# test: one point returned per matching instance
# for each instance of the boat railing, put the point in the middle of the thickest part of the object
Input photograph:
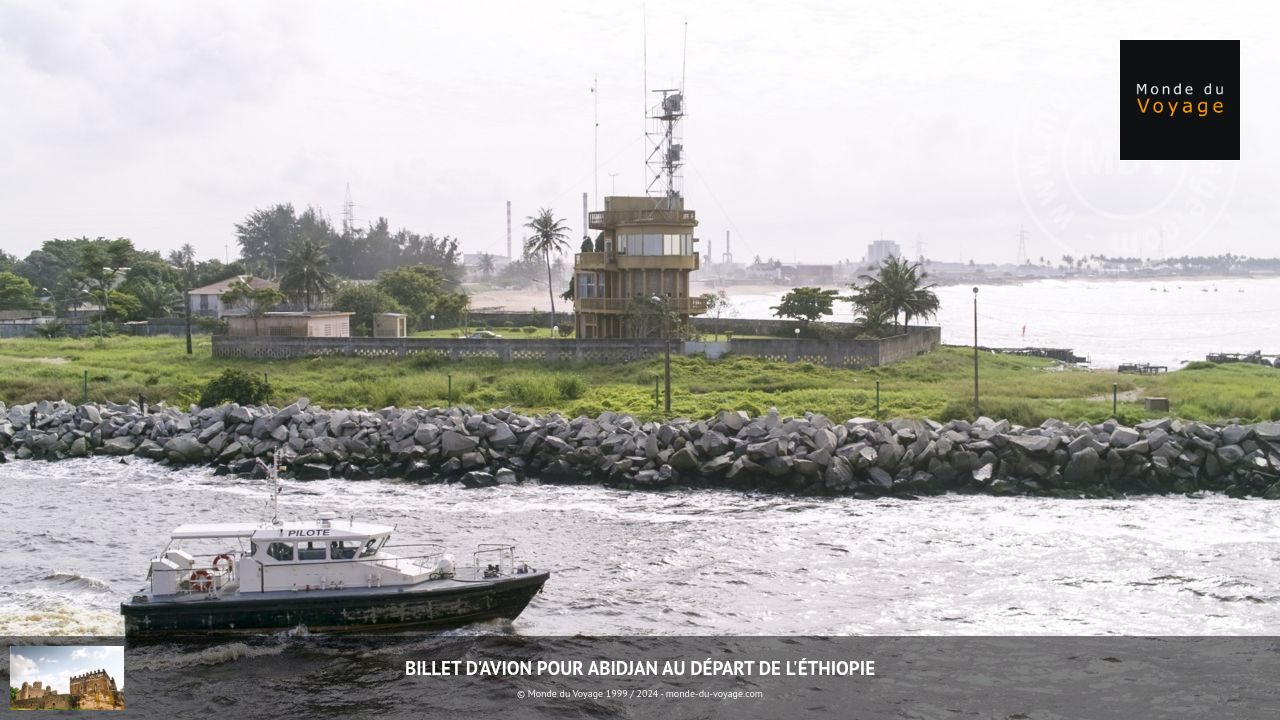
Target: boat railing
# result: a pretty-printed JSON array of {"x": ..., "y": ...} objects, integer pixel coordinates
[
  {"x": 494, "y": 555},
  {"x": 414, "y": 564}
]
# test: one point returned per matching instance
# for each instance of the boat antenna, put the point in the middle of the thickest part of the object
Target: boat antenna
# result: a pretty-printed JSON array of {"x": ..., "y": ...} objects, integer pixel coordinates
[{"x": 274, "y": 474}]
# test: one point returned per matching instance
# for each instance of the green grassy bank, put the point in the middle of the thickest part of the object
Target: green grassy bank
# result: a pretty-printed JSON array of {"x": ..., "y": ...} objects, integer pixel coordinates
[{"x": 938, "y": 385}]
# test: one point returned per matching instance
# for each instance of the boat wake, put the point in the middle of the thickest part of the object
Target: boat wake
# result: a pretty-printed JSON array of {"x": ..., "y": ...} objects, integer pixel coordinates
[{"x": 70, "y": 580}]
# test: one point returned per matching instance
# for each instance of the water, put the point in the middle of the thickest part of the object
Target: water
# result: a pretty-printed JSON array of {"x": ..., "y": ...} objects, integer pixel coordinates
[
  {"x": 79, "y": 534},
  {"x": 1163, "y": 322}
]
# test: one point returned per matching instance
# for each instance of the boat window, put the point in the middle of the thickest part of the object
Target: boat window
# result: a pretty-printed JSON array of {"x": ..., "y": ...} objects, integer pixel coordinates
[
  {"x": 371, "y": 547},
  {"x": 343, "y": 549},
  {"x": 280, "y": 551},
  {"x": 310, "y": 552}
]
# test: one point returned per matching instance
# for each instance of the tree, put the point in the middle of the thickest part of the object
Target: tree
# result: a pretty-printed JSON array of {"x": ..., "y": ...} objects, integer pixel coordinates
[
  {"x": 100, "y": 265},
  {"x": 122, "y": 306},
  {"x": 549, "y": 236},
  {"x": 897, "y": 289},
  {"x": 420, "y": 291},
  {"x": 486, "y": 264},
  {"x": 717, "y": 306},
  {"x": 306, "y": 273},
  {"x": 806, "y": 304},
  {"x": 183, "y": 256},
  {"x": 156, "y": 300},
  {"x": 16, "y": 293},
  {"x": 255, "y": 302},
  {"x": 365, "y": 301},
  {"x": 649, "y": 315},
  {"x": 264, "y": 236},
  {"x": 7, "y": 261}
]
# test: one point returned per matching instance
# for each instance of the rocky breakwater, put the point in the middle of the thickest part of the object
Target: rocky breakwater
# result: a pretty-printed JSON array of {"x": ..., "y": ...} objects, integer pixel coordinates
[{"x": 809, "y": 454}]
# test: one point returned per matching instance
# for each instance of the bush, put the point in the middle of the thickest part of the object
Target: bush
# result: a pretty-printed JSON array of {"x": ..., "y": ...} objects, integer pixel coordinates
[
  {"x": 570, "y": 387},
  {"x": 1200, "y": 365},
  {"x": 211, "y": 325},
  {"x": 101, "y": 328},
  {"x": 528, "y": 330},
  {"x": 236, "y": 386},
  {"x": 50, "y": 330}
]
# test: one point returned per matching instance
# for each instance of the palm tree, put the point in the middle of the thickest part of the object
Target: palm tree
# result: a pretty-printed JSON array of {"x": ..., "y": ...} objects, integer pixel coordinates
[
  {"x": 306, "y": 272},
  {"x": 549, "y": 235},
  {"x": 182, "y": 257},
  {"x": 486, "y": 264},
  {"x": 896, "y": 290},
  {"x": 159, "y": 300}
]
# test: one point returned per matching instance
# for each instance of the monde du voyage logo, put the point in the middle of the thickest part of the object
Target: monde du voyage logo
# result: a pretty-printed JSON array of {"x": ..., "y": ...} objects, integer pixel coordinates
[{"x": 1179, "y": 99}]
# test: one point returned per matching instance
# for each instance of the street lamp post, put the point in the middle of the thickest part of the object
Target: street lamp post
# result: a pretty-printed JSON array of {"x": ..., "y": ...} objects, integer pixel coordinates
[
  {"x": 976, "y": 412},
  {"x": 666, "y": 353},
  {"x": 433, "y": 323},
  {"x": 796, "y": 347}
]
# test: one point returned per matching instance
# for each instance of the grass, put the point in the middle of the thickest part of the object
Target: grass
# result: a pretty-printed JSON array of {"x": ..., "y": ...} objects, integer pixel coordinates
[{"x": 937, "y": 385}]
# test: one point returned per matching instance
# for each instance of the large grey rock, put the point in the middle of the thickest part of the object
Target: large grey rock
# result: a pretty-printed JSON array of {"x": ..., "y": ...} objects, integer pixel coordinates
[
  {"x": 1082, "y": 467},
  {"x": 184, "y": 448},
  {"x": 1124, "y": 437},
  {"x": 120, "y": 445},
  {"x": 880, "y": 478},
  {"x": 684, "y": 459},
  {"x": 454, "y": 443}
]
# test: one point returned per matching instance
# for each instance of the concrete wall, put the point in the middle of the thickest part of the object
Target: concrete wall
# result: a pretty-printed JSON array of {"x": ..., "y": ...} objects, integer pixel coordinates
[
  {"x": 280, "y": 348},
  {"x": 836, "y": 353}
]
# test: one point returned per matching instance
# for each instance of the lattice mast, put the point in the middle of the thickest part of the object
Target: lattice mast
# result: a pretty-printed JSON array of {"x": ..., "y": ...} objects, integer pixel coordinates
[{"x": 666, "y": 142}]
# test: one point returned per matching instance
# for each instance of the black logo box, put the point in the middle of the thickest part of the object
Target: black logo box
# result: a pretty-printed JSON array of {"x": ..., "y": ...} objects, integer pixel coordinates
[{"x": 1191, "y": 65}]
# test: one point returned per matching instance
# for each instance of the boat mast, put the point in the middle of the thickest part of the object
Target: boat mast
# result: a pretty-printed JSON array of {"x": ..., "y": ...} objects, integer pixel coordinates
[{"x": 274, "y": 474}]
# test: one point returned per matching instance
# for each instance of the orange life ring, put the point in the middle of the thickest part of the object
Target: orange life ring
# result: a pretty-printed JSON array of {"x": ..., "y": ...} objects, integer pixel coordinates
[
  {"x": 220, "y": 558},
  {"x": 201, "y": 581}
]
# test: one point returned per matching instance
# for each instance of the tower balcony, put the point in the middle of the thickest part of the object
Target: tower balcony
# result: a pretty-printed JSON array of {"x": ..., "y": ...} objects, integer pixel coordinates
[
  {"x": 615, "y": 261},
  {"x": 680, "y": 305}
]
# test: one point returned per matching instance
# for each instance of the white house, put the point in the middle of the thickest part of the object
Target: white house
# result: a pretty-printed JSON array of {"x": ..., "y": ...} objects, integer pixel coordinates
[{"x": 207, "y": 300}]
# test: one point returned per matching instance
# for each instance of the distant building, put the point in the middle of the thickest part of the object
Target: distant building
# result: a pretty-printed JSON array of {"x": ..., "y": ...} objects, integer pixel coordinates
[
  {"x": 646, "y": 252},
  {"x": 880, "y": 250},
  {"x": 390, "y": 325},
  {"x": 798, "y": 274},
  {"x": 769, "y": 270},
  {"x": 292, "y": 324},
  {"x": 207, "y": 300}
]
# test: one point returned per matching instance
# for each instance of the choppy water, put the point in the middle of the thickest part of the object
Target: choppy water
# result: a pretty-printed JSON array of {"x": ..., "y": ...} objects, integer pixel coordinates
[
  {"x": 1163, "y": 322},
  {"x": 79, "y": 533}
]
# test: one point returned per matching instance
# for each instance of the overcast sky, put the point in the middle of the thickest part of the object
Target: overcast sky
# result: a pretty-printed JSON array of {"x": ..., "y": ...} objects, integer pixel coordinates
[{"x": 813, "y": 127}]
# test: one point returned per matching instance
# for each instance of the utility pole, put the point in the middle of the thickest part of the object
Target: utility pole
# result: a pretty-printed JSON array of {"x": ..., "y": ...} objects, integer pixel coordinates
[
  {"x": 664, "y": 304},
  {"x": 509, "y": 257},
  {"x": 976, "y": 412},
  {"x": 187, "y": 308}
]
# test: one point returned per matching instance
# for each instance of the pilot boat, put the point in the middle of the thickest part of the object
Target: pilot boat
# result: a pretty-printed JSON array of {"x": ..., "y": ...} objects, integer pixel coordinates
[{"x": 327, "y": 574}]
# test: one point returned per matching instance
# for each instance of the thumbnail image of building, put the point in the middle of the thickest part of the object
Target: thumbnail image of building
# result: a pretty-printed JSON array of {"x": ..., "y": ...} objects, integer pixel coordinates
[
  {"x": 644, "y": 251},
  {"x": 94, "y": 690}
]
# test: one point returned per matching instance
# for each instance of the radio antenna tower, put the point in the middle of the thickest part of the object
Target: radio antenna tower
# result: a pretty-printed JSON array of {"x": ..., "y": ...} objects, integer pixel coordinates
[
  {"x": 1022, "y": 246},
  {"x": 666, "y": 148},
  {"x": 348, "y": 213}
]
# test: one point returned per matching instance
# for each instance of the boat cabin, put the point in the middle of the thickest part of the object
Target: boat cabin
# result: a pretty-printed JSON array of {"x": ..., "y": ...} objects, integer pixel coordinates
[{"x": 325, "y": 553}]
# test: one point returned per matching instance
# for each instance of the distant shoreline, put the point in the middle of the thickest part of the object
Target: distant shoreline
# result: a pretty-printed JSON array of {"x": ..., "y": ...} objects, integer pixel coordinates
[{"x": 498, "y": 300}]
